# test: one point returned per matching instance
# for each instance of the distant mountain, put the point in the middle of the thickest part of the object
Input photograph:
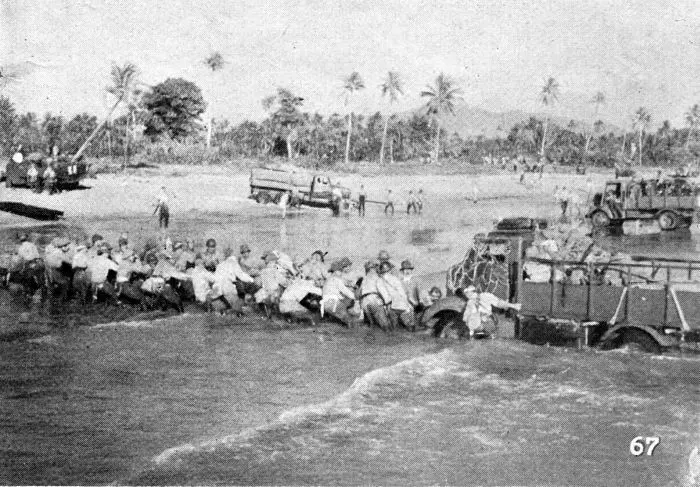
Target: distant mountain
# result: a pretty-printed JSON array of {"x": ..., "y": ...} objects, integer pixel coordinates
[{"x": 472, "y": 121}]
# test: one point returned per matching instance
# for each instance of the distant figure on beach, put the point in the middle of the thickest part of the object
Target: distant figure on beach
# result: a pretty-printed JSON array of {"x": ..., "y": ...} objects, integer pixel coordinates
[
  {"x": 420, "y": 199},
  {"x": 412, "y": 203},
  {"x": 162, "y": 209},
  {"x": 389, "y": 202},
  {"x": 361, "y": 200}
]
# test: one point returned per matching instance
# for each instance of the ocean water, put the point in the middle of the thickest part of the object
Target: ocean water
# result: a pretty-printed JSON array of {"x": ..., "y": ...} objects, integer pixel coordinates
[{"x": 484, "y": 413}]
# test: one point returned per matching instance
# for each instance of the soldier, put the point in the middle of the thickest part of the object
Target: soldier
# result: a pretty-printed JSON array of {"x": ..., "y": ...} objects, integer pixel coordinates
[
  {"x": 361, "y": 199},
  {"x": 203, "y": 282},
  {"x": 33, "y": 178},
  {"x": 162, "y": 209},
  {"x": 400, "y": 310},
  {"x": 272, "y": 279},
  {"x": 338, "y": 298},
  {"x": 211, "y": 256},
  {"x": 420, "y": 200},
  {"x": 227, "y": 274},
  {"x": 412, "y": 203},
  {"x": 59, "y": 269},
  {"x": 410, "y": 286},
  {"x": 371, "y": 300},
  {"x": 478, "y": 315},
  {"x": 389, "y": 203},
  {"x": 49, "y": 177}
]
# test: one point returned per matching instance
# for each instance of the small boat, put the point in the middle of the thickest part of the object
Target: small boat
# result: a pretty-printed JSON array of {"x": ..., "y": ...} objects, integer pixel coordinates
[{"x": 34, "y": 212}]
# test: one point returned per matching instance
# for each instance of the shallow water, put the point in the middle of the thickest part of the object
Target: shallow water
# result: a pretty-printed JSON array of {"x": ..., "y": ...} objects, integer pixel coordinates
[{"x": 96, "y": 404}]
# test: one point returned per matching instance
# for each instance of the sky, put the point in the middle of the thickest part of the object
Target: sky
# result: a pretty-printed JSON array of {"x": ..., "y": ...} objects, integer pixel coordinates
[{"x": 639, "y": 53}]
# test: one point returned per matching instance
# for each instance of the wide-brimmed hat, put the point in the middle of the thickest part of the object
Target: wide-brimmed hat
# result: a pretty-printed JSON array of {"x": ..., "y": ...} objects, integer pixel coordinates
[
  {"x": 61, "y": 242},
  {"x": 406, "y": 265},
  {"x": 321, "y": 253},
  {"x": 270, "y": 256},
  {"x": 244, "y": 248},
  {"x": 385, "y": 267},
  {"x": 340, "y": 264}
]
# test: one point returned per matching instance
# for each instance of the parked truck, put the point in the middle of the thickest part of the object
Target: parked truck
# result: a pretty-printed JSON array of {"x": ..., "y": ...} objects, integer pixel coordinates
[
  {"x": 647, "y": 302},
  {"x": 268, "y": 184},
  {"x": 670, "y": 202}
]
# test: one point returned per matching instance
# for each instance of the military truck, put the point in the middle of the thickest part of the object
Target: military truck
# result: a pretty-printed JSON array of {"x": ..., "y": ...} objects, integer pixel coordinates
[
  {"x": 650, "y": 303},
  {"x": 670, "y": 202},
  {"x": 69, "y": 173},
  {"x": 268, "y": 184}
]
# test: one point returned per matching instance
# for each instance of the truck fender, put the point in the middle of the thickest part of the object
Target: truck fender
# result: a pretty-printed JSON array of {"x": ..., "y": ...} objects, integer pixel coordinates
[
  {"x": 603, "y": 208},
  {"x": 660, "y": 338},
  {"x": 667, "y": 210},
  {"x": 449, "y": 303}
]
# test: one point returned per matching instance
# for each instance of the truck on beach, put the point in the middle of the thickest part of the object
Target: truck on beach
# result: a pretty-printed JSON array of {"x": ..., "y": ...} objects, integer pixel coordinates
[
  {"x": 671, "y": 202},
  {"x": 652, "y": 303},
  {"x": 69, "y": 172},
  {"x": 268, "y": 184}
]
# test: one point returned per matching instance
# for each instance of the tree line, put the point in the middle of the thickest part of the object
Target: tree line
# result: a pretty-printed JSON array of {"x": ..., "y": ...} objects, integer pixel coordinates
[{"x": 172, "y": 111}]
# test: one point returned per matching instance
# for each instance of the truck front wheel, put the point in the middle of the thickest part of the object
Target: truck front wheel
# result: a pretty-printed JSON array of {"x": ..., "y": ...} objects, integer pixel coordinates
[{"x": 600, "y": 219}]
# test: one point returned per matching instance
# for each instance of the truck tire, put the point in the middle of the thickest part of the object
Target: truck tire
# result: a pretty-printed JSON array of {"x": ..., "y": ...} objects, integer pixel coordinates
[
  {"x": 449, "y": 324},
  {"x": 638, "y": 339},
  {"x": 600, "y": 219},
  {"x": 668, "y": 220}
]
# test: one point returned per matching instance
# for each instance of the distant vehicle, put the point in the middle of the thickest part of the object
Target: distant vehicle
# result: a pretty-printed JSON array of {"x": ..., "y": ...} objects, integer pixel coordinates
[
  {"x": 671, "y": 202},
  {"x": 268, "y": 184},
  {"x": 649, "y": 302},
  {"x": 68, "y": 173}
]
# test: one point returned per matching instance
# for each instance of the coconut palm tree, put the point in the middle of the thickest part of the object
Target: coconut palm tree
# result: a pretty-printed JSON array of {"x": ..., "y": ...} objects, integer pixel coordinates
[
  {"x": 548, "y": 96},
  {"x": 442, "y": 97},
  {"x": 642, "y": 119},
  {"x": 692, "y": 116},
  {"x": 597, "y": 100},
  {"x": 215, "y": 62},
  {"x": 125, "y": 88},
  {"x": 351, "y": 85},
  {"x": 392, "y": 87}
]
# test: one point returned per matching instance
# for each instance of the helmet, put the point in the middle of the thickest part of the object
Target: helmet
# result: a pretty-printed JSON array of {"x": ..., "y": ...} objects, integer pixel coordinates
[{"x": 383, "y": 256}]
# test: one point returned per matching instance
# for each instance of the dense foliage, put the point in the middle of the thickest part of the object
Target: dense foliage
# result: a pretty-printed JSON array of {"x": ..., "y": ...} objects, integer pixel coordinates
[{"x": 173, "y": 108}]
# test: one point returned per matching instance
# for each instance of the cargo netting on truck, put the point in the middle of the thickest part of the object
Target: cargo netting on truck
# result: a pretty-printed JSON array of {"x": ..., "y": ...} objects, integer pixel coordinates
[{"x": 484, "y": 267}]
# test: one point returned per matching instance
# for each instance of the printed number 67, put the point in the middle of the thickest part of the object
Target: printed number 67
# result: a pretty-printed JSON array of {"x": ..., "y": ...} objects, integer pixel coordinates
[{"x": 638, "y": 443}]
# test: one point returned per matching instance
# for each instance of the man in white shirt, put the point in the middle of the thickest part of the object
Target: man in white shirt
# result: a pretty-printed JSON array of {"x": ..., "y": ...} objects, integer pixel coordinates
[
  {"x": 372, "y": 300},
  {"x": 99, "y": 270},
  {"x": 478, "y": 315},
  {"x": 227, "y": 273},
  {"x": 202, "y": 283},
  {"x": 338, "y": 298},
  {"x": 400, "y": 310},
  {"x": 291, "y": 300},
  {"x": 49, "y": 177},
  {"x": 33, "y": 177}
]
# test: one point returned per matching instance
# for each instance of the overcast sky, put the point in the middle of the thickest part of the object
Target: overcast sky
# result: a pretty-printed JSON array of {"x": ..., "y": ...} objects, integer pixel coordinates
[{"x": 501, "y": 52}]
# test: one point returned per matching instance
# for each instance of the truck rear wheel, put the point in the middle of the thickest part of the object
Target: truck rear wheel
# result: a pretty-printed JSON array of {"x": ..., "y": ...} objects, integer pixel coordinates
[
  {"x": 667, "y": 220},
  {"x": 600, "y": 219},
  {"x": 640, "y": 340}
]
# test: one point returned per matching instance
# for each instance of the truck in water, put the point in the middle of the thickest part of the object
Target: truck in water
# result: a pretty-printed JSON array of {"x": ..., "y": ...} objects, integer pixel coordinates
[
  {"x": 583, "y": 292},
  {"x": 69, "y": 172},
  {"x": 671, "y": 202},
  {"x": 269, "y": 184}
]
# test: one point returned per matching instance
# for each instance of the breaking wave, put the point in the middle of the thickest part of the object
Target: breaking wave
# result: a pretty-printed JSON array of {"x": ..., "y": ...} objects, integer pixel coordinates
[{"x": 488, "y": 402}]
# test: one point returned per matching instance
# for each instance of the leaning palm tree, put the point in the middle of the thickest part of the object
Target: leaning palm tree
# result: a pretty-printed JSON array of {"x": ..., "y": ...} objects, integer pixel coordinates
[
  {"x": 215, "y": 62},
  {"x": 392, "y": 88},
  {"x": 351, "y": 84},
  {"x": 598, "y": 100},
  {"x": 442, "y": 97},
  {"x": 692, "y": 116},
  {"x": 124, "y": 88},
  {"x": 548, "y": 96},
  {"x": 642, "y": 119}
]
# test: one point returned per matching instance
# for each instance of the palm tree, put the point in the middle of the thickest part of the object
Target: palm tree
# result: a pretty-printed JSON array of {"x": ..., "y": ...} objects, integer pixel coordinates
[
  {"x": 548, "y": 96},
  {"x": 351, "y": 84},
  {"x": 215, "y": 62},
  {"x": 598, "y": 100},
  {"x": 124, "y": 88},
  {"x": 692, "y": 116},
  {"x": 441, "y": 98},
  {"x": 642, "y": 119},
  {"x": 285, "y": 116},
  {"x": 393, "y": 88}
]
